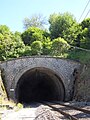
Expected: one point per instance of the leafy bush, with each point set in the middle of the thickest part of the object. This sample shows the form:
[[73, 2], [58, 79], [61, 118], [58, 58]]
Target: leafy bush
[[59, 46], [46, 46], [36, 48], [32, 34], [27, 51]]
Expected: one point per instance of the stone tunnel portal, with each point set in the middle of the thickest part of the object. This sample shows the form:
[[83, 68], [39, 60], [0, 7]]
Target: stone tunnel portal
[[39, 84]]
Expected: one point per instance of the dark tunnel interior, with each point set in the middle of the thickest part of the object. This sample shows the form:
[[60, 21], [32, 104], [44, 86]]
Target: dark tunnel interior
[[39, 84]]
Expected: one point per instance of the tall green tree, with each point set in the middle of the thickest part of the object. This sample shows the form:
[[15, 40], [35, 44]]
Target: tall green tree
[[73, 37], [63, 25], [85, 23], [11, 45], [4, 30], [32, 34], [85, 34]]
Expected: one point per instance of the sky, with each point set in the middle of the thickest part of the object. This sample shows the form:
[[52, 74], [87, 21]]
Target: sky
[[13, 12]]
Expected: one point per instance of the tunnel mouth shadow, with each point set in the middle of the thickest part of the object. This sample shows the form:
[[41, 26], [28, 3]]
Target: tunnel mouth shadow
[[39, 84]]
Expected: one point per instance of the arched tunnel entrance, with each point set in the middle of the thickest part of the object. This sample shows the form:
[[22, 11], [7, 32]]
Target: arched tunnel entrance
[[39, 84]]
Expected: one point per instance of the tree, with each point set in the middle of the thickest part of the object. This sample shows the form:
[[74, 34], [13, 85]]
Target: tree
[[62, 25], [36, 20], [85, 38], [18, 44], [5, 30], [32, 34], [85, 23], [59, 46], [73, 37], [5, 41], [85, 34], [11, 45]]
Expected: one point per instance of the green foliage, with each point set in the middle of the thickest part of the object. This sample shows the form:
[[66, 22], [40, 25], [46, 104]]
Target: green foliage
[[64, 30], [46, 46], [54, 29], [36, 48], [79, 55], [60, 25], [85, 23], [65, 26], [4, 30], [72, 37], [27, 51], [10, 49], [85, 38], [32, 34], [85, 34], [11, 45], [59, 46]]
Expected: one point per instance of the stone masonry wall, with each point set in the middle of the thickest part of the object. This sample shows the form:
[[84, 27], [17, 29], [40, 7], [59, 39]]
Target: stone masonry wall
[[15, 68], [83, 86]]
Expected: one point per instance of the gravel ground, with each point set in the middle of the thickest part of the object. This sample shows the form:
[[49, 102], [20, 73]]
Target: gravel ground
[[80, 115], [41, 112], [45, 113]]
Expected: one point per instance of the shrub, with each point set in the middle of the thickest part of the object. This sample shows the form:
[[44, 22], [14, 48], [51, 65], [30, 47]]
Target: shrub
[[59, 46], [36, 48]]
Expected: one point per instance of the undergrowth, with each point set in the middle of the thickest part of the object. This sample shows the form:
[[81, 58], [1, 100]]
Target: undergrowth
[[80, 56]]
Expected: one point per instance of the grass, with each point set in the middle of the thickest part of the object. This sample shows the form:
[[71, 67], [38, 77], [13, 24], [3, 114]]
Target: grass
[[79, 55]]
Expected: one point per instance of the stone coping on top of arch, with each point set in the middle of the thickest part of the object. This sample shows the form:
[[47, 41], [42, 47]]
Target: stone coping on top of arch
[[41, 56]]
